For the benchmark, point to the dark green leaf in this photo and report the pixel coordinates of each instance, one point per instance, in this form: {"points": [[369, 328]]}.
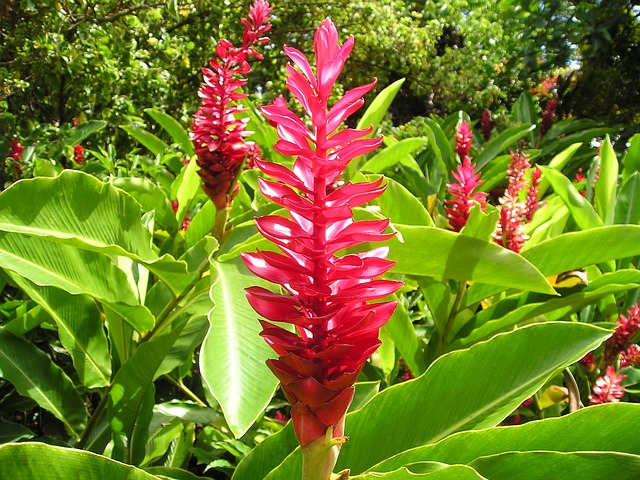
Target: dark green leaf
{"points": [[34, 375]]}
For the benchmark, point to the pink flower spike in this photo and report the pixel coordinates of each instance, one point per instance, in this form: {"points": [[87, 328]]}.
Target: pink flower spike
{"points": [[464, 138], [334, 299], [607, 389], [218, 135], [464, 196]]}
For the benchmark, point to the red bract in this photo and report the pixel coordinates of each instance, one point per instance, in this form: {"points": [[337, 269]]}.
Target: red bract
{"points": [[15, 149], [217, 134], [463, 137], [607, 389], [328, 297], [513, 212], [532, 204], [464, 197], [486, 125], [628, 326], [547, 117], [78, 154]]}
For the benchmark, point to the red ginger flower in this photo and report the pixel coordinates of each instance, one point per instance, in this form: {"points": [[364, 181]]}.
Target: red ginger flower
{"points": [[622, 337], [607, 389], [630, 357], [78, 154], [532, 204], [486, 125], [327, 296], [15, 149], [463, 137], [217, 134], [547, 116], [464, 198], [513, 212]]}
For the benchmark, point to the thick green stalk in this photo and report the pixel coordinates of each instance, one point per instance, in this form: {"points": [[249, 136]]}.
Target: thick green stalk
{"points": [[320, 456], [452, 317]]}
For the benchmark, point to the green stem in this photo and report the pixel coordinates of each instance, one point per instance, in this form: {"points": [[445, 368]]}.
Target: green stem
{"points": [[320, 456], [93, 420], [165, 317], [219, 225], [452, 317], [184, 389]]}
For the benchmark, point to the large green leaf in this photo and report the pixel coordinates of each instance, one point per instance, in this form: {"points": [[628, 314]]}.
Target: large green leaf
{"points": [[267, 455], [399, 152], [581, 210], [80, 329], [233, 354], [35, 376], [151, 197], [558, 163], [606, 186], [146, 138], [400, 206], [379, 106], [559, 465], [513, 311], [449, 397], [627, 208], [631, 161], [603, 428], [583, 136], [130, 398], [575, 250], [500, 143], [77, 209], [428, 470], [77, 134], [401, 331], [173, 128], [73, 270], [441, 145], [186, 186], [434, 252], [29, 461]]}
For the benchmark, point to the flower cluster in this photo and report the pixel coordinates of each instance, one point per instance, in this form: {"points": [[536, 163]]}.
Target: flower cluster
{"points": [[14, 159], [217, 134], [463, 193], [548, 116], [513, 211], [621, 340], [78, 154], [607, 389], [328, 297]]}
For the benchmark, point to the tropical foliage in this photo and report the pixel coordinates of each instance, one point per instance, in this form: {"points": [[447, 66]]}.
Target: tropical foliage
{"points": [[292, 286]]}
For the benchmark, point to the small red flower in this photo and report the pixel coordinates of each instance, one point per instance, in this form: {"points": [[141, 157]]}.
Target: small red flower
{"points": [[621, 339], [532, 203], [607, 389], [548, 116], [78, 154], [15, 149], [217, 133], [630, 357], [588, 362], [486, 125]]}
